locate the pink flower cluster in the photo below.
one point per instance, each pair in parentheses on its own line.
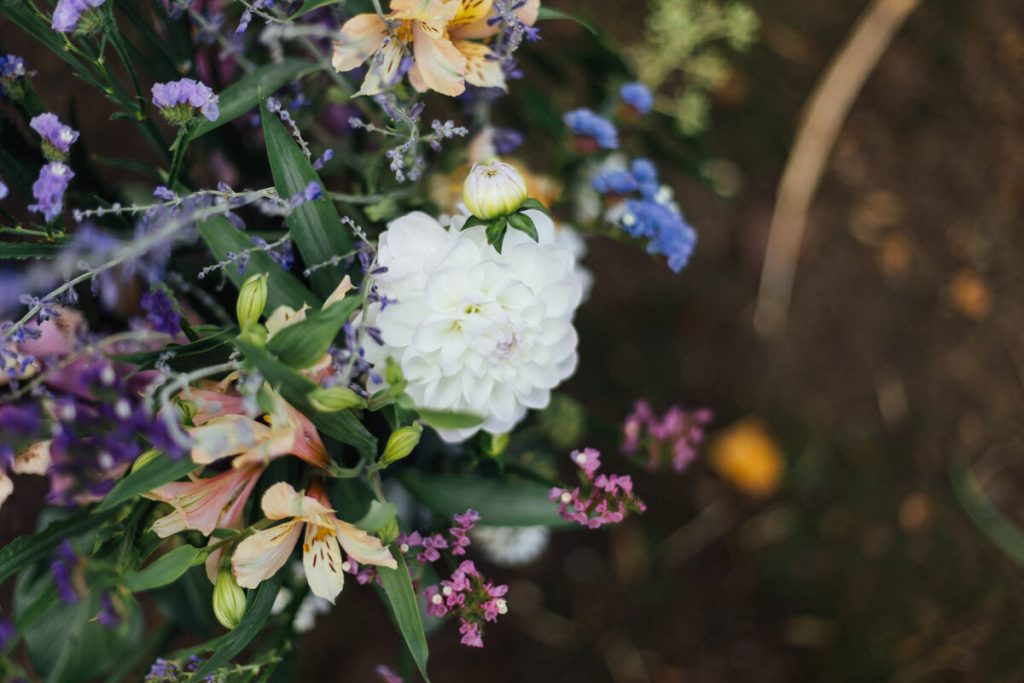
(672,438)
(601,499)
(471,598)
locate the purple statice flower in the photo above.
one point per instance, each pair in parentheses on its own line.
(67,13)
(99,429)
(637,98)
(283,254)
(49,189)
(12,71)
(8,632)
(599,500)
(464,523)
(20,425)
(57,137)
(323,159)
(672,438)
(168,671)
(179,101)
(3,189)
(507,140)
(63,569)
(470,597)
(431,546)
(590,131)
(108,616)
(160,312)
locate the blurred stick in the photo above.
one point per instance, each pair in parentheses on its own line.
(823,117)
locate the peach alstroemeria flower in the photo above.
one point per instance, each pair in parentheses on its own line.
(260,556)
(205,504)
(285,431)
(440,33)
(33,460)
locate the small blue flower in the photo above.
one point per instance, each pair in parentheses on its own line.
(3,190)
(637,97)
(507,140)
(12,70)
(57,137)
(615,182)
(49,189)
(588,126)
(179,101)
(160,312)
(664,226)
(67,13)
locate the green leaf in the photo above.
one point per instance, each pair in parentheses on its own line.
(304,343)
(379,516)
(166,569)
(500,502)
(243,95)
(449,419)
(523,223)
(999,529)
(26,250)
(256,613)
(405,610)
(202,353)
(496,232)
(311,5)
(24,550)
(315,225)
(472,222)
(157,472)
(548,13)
(534,204)
(284,289)
(295,388)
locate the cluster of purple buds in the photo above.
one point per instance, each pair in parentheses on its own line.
(12,71)
(64,568)
(49,189)
(76,16)
(590,132)
(96,435)
(672,438)
(168,671)
(57,137)
(470,597)
(161,314)
(181,101)
(600,499)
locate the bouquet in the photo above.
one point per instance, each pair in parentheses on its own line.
(304,330)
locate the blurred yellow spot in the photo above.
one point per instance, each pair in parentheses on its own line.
(970,295)
(746,456)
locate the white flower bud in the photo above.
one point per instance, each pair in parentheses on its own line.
(494,189)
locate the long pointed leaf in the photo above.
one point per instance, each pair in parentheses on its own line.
(315,225)
(24,550)
(156,472)
(284,289)
(499,502)
(405,610)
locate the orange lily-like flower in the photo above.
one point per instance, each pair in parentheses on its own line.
(250,441)
(441,33)
(260,556)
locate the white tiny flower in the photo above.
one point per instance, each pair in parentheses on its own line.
(475,330)
(122,409)
(493,190)
(107,375)
(502,606)
(566,497)
(447,590)
(436,599)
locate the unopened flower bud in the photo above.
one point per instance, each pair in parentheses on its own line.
(144,459)
(494,189)
(252,299)
(400,443)
(228,600)
(333,399)
(495,444)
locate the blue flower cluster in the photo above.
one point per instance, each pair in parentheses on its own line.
(67,13)
(593,129)
(49,189)
(652,215)
(12,70)
(637,97)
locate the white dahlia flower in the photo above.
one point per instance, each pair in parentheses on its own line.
(474,330)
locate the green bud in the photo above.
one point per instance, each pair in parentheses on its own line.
(145,459)
(495,444)
(188,410)
(252,299)
(333,399)
(228,600)
(400,443)
(393,373)
(389,532)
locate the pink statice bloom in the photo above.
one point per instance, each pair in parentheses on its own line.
(671,439)
(470,597)
(599,500)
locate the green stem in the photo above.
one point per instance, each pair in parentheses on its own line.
(180,146)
